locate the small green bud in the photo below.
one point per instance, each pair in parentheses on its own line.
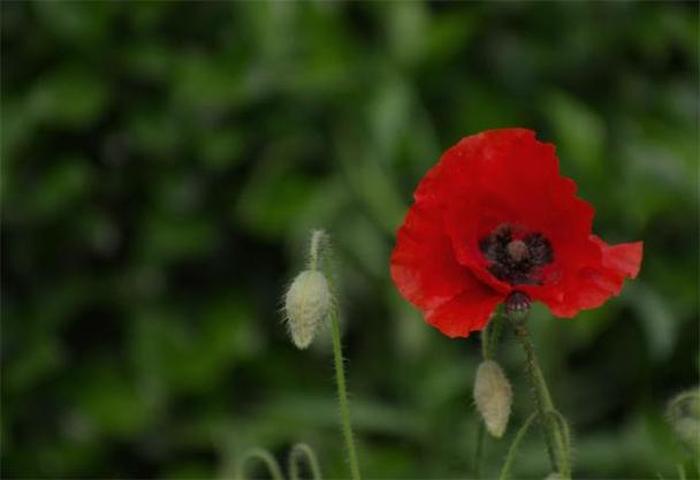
(493,397)
(306,305)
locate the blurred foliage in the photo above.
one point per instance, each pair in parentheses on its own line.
(163,162)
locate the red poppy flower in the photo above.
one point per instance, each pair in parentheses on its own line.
(494,220)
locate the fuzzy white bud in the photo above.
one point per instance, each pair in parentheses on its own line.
(684,415)
(493,397)
(307,303)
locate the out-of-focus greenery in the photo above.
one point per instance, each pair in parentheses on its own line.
(163,162)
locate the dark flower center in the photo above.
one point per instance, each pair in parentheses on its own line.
(515,257)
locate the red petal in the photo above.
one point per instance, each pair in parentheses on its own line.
(468,312)
(625,258)
(426,272)
(594,280)
(423,266)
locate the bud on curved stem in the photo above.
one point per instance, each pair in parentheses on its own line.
(310,301)
(683,413)
(490,337)
(493,397)
(306,306)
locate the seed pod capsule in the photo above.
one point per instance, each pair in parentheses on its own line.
(493,397)
(307,303)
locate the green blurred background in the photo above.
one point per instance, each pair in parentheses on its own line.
(163,163)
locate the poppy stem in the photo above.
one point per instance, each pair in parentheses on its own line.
(490,337)
(479,452)
(321,257)
(299,451)
(557,445)
(494,337)
(343,395)
(273,468)
(481,430)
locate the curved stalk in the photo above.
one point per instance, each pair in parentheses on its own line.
(264,456)
(489,342)
(299,451)
(561,422)
(510,457)
(495,329)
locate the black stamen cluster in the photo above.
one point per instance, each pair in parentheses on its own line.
(516,271)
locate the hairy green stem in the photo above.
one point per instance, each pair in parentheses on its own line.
(681,472)
(557,445)
(263,455)
(490,336)
(480,430)
(510,457)
(479,452)
(489,342)
(318,238)
(343,396)
(563,426)
(321,255)
(299,451)
(495,329)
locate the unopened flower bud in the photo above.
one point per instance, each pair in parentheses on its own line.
(493,397)
(684,416)
(518,304)
(306,305)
